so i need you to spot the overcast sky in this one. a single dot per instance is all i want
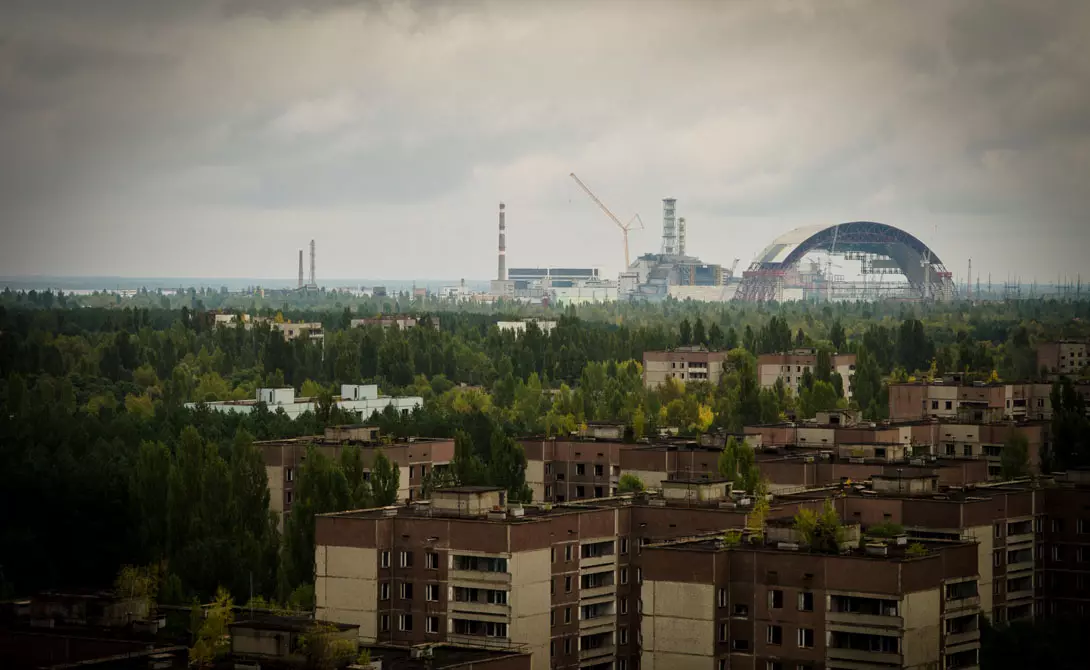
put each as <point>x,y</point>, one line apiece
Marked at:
<point>146,138</point>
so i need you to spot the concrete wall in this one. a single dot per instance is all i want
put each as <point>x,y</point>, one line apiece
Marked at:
<point>530,603</point>
<point>535,478</point>
<point>346,587</point>
<point>923,630</point>
<point>678,625</point>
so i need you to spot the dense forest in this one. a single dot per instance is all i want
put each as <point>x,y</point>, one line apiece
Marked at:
<point>100,453</point>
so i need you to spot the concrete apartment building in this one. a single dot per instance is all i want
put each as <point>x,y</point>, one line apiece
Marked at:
<point>684,364</point>
<point>792,366</point>
<point>414,458</point>
<point>400,322</point>
<point>911,401</point>
<point>567,470</point>
<point>1063,358</point>
<point>1033,543</point>
<point>707,604</point>
<point>312,331</point>
<point>843,435</point>
<point>646,581</point>
<point>558,581</point>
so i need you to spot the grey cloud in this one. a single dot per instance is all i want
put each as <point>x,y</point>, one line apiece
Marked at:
<point>792,111</point>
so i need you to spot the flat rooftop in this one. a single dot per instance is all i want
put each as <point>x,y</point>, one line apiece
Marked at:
<point>290,624</point>
<point>323,441</point>
<point>894,552</point>
<point>955,494</point>
<point>442,656</point>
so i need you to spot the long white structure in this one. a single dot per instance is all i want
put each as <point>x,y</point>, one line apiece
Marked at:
<point>363,399</point>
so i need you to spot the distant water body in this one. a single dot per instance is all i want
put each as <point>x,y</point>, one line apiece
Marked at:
<point>84,284</point>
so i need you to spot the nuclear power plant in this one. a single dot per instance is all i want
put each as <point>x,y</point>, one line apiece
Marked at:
<point>651,277</point>
<point>797,265</point>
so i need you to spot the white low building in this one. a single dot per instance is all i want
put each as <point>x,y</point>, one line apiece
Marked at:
<point>519,327</point>
<point>363,399</point>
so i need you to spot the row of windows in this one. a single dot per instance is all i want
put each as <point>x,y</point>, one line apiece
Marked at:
<point>622,638</point>
<point>457,626</point>
<point>581,469</point>
<point>1057,552</point>
<point>405,559</point>
<point>580,491</point>
<point>594,611</point>
<point>590,550</point>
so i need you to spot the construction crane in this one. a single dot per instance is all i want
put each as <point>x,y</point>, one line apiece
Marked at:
<point>624,227</point>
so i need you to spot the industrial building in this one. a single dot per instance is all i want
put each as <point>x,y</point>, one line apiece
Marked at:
<point>362,399</point>
<point>651,277</point>
<point>672,272</point>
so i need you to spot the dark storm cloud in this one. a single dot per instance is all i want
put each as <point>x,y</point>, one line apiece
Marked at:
<point>396,114</point>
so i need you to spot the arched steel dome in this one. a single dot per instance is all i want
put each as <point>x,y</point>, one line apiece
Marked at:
<point>920,266</point>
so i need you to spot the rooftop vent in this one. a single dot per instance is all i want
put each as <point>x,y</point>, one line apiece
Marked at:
<point>877,549</point>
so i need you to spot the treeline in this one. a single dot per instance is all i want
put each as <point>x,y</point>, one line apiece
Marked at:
<point>98,451</point>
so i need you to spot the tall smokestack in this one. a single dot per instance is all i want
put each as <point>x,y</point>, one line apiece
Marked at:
<point>300,268</point>
<point>503,246</point>
<point>313,281</point>
<point>669,227</point>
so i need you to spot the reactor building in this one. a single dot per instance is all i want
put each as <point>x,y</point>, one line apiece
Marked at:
<point>672,272</point>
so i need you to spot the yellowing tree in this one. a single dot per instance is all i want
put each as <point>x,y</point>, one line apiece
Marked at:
<point>704,418</point>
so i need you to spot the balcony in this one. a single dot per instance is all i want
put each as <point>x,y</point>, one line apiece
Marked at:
<point>478,577</point>
<point>861,656</point>
<point>479,641</point>
<point>1020,566</point>
<point>956,640</point>
<point>603,623</point>
<point>604,650</point>
<point>1020,538</point>
<point>956,605</point>
<point>856,619</point>
<point>1020,595</point>
<point>597,592</point>
<point>480,608</point>
<point>597,561</point>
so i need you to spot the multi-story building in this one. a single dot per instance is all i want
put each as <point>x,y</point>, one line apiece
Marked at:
<point>312,331</point>
<point>792,366</point>
<point>361,399</point>
<point>655,581</point>
<point>999,518</point>
<point>465,567</point>
<point>1063,357</point>
<point>838,434</point>
<point>979,401</point>
<point>399,321</point>
<point>710,603</point>
<point>684,364</point>
<point>519,327</point>
<point>415,458</point>
<point>560,470</point>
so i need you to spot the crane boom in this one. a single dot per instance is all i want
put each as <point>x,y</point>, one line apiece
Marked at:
<point>624,228</point>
